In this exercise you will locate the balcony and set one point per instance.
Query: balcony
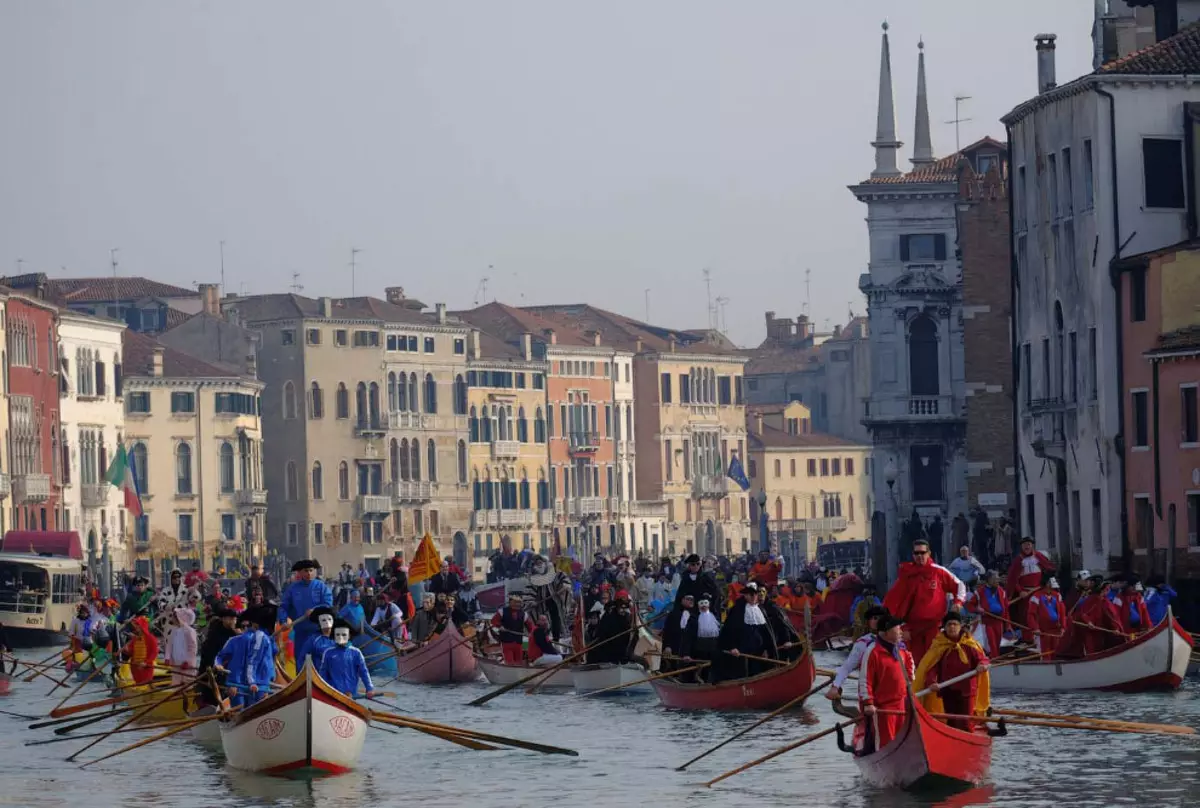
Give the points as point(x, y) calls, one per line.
point(505, 449)
point(1046, 423)
point(618, 507)
point(5, 486)
point(585, 506)
point(823, 525)
point(95, 495)
point(251, 499)
point(546, 516)
point(584, 442)
point(408, 420)
point(924, 405)
point(367, 506)
point(648, 509)
point(911, 409)
point(708, 486)
point(373, 427)
point(31, 488)
point(405, 492)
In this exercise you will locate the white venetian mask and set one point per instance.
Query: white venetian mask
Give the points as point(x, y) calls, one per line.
point(325, 621)
point(341, 636)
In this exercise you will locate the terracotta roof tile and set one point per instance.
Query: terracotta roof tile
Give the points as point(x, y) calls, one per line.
point(509, 324)
point(91, 290)
point(772, 438)
point(137, 354)
point(1185, 339)
point(1174, 56)
point(624, 332)
point(260, 308)
point(939, 171)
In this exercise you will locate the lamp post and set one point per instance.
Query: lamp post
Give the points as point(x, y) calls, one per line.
point(105, 564)
point(764, 534)
point(889, 554)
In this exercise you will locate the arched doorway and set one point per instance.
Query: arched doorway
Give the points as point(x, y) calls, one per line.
point(710, 538)
point(460, 550)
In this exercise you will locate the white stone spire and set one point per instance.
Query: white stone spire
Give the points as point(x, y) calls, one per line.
point(885, 142)
point(922, 145)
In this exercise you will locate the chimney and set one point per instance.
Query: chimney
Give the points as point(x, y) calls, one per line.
point(210, 298)
point(252, 365)
point(803, 328)
point(672, 343)
point(474, 344)
point(527, 346)
point(637, 346)
point(394, 295)
point(551, 337)
point(441, 313)
point(594, 336)
point(1045, 62)
point(758, 423)
point(156, 361)
point(327, 307)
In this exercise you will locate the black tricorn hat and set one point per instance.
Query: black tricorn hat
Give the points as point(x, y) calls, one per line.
point(692, 559)
point(305, 564)
point(316, 613)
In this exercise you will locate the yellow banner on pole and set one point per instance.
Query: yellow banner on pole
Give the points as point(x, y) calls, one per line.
point(425, 563)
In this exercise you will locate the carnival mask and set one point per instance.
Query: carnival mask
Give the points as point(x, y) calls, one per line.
point(325, 621)
point(341, 636)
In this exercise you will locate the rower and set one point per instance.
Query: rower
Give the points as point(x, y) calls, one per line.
point(695, 582)
point(866, 600)
point(746, 631)
point(1094, 624)
point(883, 687)
point(701, 638)
point(1024, 577)
point(857, 651)
point(323, 641)
point(1134, 616)
point(919, 597)
point(220, 631)
point(1046, 614)
point(353, 612)
point(249, 658)
point(509, 626)
point(388, 618)
point(992, 603)
point(541, 649)
point(141, 650)
point(955, 652)
point(299, 599)
point(423, 621)
point(787, 638)
point(617, 620)
point(673, 631)
point(344, 666)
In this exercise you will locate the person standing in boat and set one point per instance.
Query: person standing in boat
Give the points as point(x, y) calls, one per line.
point(1093, 625)
point(549, 593)
point(955, 652)
point(766, 570)
point(542, 652)
point(701, 639)
point(991, 602)
point(698, 584)
point(1024, 578)
point(919, 597)
point(221, 630)
point(182, 646)
point(322, 641)
point(857, 651)
point(343, 666)
point(747, 631)
point(444, 583)
point(138, 602)
point(1046, 615)
point(791, 644)
point(300, 598)
point(617, 620)
point(883, 687)
point(353, 612)
point(510, 626)
point(141, 650)
point(423, 621)
point(1135, 618)
point(672, 633)
point(249, 659)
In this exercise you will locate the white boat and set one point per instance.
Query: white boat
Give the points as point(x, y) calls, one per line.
point(1157, 660)
point(498, 673)
point(306, 728)
point(587, 678)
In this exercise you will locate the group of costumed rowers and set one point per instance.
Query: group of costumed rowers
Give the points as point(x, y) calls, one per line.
point(922, 618)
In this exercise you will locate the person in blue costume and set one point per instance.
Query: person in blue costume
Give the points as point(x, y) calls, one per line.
point(324, 617)
point(1159, 595)
point(299, 599)
point(344, 666)
point(353, 612)
point(249, 659)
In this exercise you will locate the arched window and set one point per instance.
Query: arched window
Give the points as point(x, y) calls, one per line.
point(342, 403)
point(778, 509)
point(795, 508)
point(289, 400)
point(473, 426)
point(850, 508)
point(522, 426)
point(391, 385)
point(412, 393)
point(923, 357)
point(373, 404)
point(404, 473)
point(343, 481)
point(523, 492)
point(431, 460)
point(460, 395)
point(539, 426)
point(318, 481)
point(430, 394)
point(485, 427)
point(415, 453)
point(291, 485)
point(401, 393)
point(225, 464)
point(316, 404)
point(360, 404)
point(183, 469)
point(141, 467)
point(394, 460)
point(462, 463)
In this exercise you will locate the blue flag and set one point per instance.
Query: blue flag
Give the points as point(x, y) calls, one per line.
point(738, 474)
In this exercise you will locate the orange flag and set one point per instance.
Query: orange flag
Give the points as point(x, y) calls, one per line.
point(425, 563)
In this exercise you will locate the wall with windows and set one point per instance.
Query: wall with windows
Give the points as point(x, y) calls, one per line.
point(32, 386)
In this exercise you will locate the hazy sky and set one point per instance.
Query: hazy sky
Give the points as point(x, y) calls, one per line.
point(584, 151)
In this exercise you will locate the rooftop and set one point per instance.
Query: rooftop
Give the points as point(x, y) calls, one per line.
point(509, 324)
point(137, 359)
point(624, 332)
point(773, 438)
point(97, 290)
point(285, 306)
point(942, 170)
point(1178, 55)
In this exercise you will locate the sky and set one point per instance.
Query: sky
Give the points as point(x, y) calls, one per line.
point(565, 151)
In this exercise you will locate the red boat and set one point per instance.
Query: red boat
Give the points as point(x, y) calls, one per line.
point(927, 754)
point(766, 691)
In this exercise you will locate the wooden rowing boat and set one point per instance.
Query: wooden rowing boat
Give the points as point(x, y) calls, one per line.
point(497, 673)
point(141, 696)
point(448, 658)
point(766, 691)
point(1157, 660)
point(602, 675)
point(927, 754)
point(306, 728)
point(208, 733)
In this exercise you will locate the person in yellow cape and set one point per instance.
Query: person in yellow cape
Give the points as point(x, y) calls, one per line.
point(953, 653)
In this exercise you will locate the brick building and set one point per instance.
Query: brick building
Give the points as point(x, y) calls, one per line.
point(33, 410)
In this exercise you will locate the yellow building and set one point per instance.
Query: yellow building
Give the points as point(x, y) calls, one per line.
point(193, 431)
point(816, 485)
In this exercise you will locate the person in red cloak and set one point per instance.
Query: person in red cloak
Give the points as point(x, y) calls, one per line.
point(1134, 617)
point(511, 627)
point(766, 570)
point(1047, 615)
point(1024, 578)
point(991, 602)
point(1083, 584)
point(1092, 626)
point(883, 687)
point(141, 651)
point(919, 597)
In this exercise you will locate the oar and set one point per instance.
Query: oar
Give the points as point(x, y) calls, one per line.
point(144, 711)
point(1175, 728)
point(30, 667)
point(793, 703)
point(63, 712)
point(139, 728)
point(20, 715)
point(416, 723)
point(1026, 722)
point(647, 679)
point(95, 669)
point(152, 739)
point(384, 703)
point(758, 658)
point(1120, 634)
point(56, 721)
point(783, 750)
point(469, 743)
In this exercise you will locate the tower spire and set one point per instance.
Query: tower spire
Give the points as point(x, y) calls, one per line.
point(922, 145)
point(885, 143)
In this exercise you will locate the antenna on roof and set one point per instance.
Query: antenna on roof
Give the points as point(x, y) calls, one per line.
point(222, 245)
point(112, 259)
point(721, 322)
point(808, 292)
point(354, 251)
point(958, 99)
point(20, 266)
point(481, 289)
point(708, 293)
point(297, 288)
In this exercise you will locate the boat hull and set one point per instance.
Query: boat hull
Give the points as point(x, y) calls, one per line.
point(1158, 660)
point(589, 678)
point(449, 658)
point(208, 733)
point(379, 653)
point(927, 754)
point(767, 691)
point(497, 673)
point(306, 728)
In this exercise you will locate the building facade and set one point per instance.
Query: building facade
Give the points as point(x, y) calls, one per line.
point(92, 427)
point(194, 433)
point(31, 329)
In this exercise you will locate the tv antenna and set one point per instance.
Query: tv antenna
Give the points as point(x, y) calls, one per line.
point(354, 251)
point(297, 287)
point(708, 294)
point(481, 289)
point(722, 302)
point(222, 245)
point(808, 292)
point(647, 297)
point(958, 99)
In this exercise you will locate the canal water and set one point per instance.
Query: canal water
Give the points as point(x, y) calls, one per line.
point(628, 750)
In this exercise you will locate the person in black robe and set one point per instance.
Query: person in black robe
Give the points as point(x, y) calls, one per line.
point(444, 583)
point(698, 584)
point(789, 641)
point(701, 640)
point(221, 628)
point(673, 630)
point(746, 631)
point(617, 620)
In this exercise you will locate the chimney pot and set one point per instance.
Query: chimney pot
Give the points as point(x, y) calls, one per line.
point(156, 361)
point(394, 294)
point(252, 365)
point(326, 307)
point(638, 345)
point(758, 423)
point(527, 346)
point(1045, 62)
point(474, 343)
point(441, 312)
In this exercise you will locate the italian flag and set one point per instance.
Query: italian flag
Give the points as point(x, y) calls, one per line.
point(120, 474)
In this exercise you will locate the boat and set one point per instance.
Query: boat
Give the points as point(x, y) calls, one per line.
point(5, 684)
point(766, 691)
point(1157, 660)
point(497, 673)
point(208, 733)
point(378, 652)
point(142, 696)
point(449, 658)
point(602, 675)
point(44, 576)
point(926, 754)
point(308, 727)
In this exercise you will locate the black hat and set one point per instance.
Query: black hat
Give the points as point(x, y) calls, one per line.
point(692, 559)
point(260, 615)
point(888, 622)
point(598, 556)
point(340, 623)
point(952, 617)
point(686, 596)
point(750, 587)
point(305, 564)
point(224, 611)
point(1026, 539)
point(875, 611)
point(315, 614)
point(140, 580)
